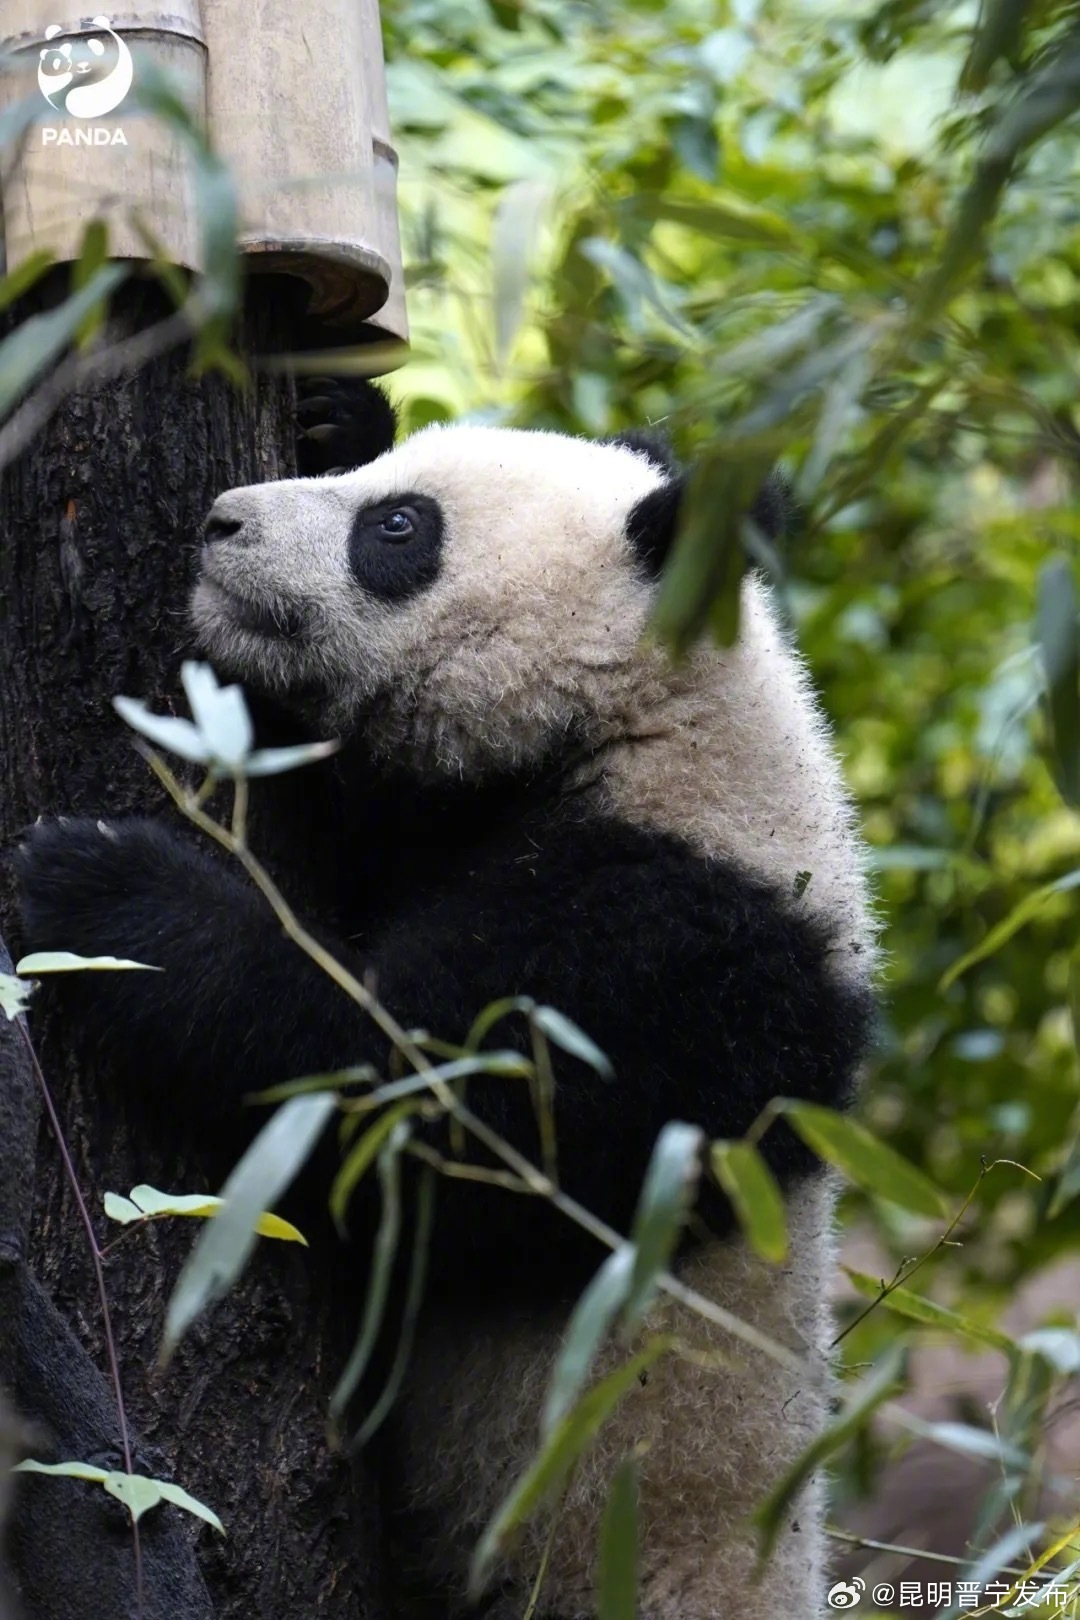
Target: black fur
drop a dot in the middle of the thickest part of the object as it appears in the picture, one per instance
(389, 565)
(345, 422)
(709, 990)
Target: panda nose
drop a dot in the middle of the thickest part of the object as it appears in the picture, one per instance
(225, 520)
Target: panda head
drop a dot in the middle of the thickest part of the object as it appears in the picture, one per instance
(469, 602)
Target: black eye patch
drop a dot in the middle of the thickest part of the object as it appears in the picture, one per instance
(395, 546)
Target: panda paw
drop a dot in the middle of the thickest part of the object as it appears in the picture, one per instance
(344, 422)
(95, 887)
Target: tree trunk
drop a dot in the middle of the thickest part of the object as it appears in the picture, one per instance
(99, 522)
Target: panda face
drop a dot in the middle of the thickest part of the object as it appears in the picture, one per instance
(465, 601)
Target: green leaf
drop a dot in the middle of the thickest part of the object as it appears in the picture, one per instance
(556, 1458)
(24, 276)
(14, 995)
(919, 1309)
(701, 583)
(559, 1029)
(386, 1245)
(363, 1155)
(1002, 932)
(589, 1326)
(40, 340)
(93, 255)
(1058, 623)
(666, 1196)
(862, 1158)
(39, 962)
(617, 1574)
(414, 1298)
(1048, 97)
(883, 1382)
(137, 1492)
(1000, 27)
(514, 230)
(726, 219)
(190, 1504)
(64, 1470)
(749, 1183)
(267, 1168)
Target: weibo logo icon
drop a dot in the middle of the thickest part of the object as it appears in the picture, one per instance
(86, 76)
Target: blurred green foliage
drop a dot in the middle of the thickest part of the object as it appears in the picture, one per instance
(780, 228)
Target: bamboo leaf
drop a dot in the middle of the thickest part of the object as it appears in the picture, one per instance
(1002, 932)
(560, 1029)
(267, 1168)
(701, 582)
(414, 1298)
(363, 1155)
(39, 962)
(755, 1197)
(14, 995)
(556, 1458)
(917, 1308)
(666, 1196)
(883, 1382)
(1000, 26)
(146, 1203)
(589, 1326)
(865, 1160)
(513, 241)
(40, 340)
(617, 1578)
(386, 1245)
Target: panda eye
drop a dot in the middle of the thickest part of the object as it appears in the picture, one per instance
(399, 524)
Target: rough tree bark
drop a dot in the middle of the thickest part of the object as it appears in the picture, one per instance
(98, 525)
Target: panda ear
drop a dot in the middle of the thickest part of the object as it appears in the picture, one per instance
(652, 444)
(344, 423)
(653, 522)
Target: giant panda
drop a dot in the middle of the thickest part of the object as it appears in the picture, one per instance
(531, 798)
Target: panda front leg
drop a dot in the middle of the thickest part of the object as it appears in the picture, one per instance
(235, 1007)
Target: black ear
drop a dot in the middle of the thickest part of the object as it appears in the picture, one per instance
(651, 525)
(653, 521)
(344, 422)
(652, 444)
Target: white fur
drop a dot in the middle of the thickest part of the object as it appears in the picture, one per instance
(535, 624)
